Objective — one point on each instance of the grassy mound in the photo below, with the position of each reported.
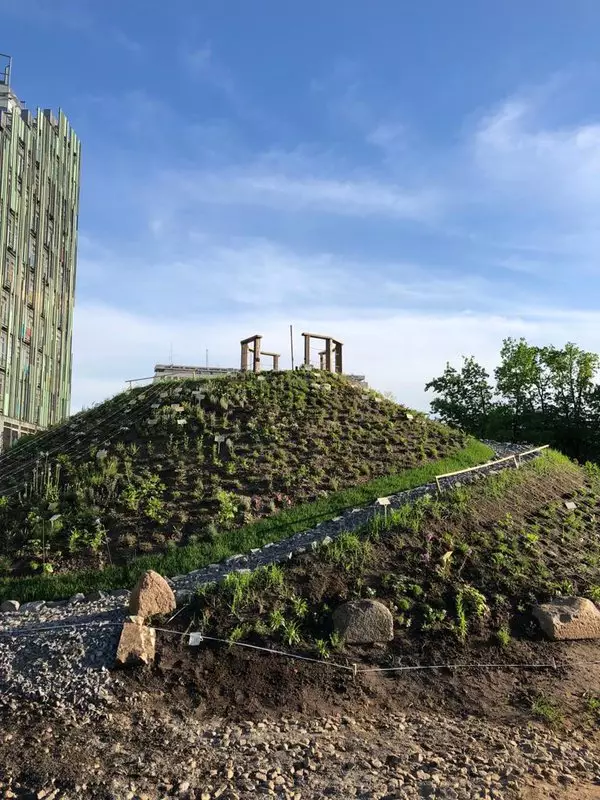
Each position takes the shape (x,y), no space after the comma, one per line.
(456,569)
(183,478)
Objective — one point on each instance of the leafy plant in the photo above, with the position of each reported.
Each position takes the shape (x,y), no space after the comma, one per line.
(227,507)
(276,619)
(300,606)
(322,648)
(503,636)
(291,633)
(469,602)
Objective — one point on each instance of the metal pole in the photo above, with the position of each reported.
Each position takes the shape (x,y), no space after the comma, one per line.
(292,345)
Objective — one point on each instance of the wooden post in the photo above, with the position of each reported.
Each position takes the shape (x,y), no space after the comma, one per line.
(244,365)
(257,343)
(338,357)
(292,345)
(276,363)
(306,349)
(328,355)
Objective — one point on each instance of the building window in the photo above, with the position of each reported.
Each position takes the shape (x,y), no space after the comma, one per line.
(30,286)
(11,232)
(3,348)
(4,310)
(9,269)
(32,251)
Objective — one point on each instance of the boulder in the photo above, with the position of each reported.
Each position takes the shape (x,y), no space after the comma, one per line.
(364,622)
(152,595)
(569,618)
(10,605)
(137,645)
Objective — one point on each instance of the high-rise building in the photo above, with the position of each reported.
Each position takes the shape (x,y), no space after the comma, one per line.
(40,159)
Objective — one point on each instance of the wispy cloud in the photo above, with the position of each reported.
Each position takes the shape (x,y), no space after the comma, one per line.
(281,192)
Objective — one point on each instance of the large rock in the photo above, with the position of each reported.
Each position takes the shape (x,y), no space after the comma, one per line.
(10,605)
(569,618)
(137,645)
(364,622)
(152,595)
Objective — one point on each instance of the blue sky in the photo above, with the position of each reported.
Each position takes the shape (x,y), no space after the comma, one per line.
(419,179)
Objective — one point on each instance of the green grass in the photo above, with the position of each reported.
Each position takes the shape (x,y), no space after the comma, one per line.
(546,710)
(271,529)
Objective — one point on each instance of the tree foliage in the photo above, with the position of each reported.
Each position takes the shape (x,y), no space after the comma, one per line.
(542,395)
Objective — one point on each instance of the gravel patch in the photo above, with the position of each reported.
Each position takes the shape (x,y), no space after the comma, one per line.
(391,757)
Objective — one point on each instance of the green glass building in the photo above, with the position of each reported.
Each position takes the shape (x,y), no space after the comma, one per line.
(40,159)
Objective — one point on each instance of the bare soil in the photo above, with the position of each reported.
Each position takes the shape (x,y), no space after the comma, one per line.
(218,717)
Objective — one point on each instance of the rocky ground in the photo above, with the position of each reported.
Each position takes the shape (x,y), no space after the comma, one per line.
(147,753)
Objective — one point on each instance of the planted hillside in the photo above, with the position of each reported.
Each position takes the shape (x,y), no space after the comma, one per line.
(462,569)
(184,462)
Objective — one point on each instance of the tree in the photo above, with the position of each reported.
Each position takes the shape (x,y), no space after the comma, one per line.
(523,382)
(464,398)
(545,395)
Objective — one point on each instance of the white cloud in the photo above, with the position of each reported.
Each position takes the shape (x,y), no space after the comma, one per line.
(281,192)
(558,168)
(398,351)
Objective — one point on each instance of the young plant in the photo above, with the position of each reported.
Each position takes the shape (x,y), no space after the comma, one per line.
(276,620)
(469,603)
(291,633)
(503,636)
(300,606)
(322,649)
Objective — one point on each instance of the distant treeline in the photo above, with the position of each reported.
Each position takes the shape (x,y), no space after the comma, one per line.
(542,395)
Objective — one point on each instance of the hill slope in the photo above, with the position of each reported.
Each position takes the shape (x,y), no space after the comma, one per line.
(164,466)
(458,572)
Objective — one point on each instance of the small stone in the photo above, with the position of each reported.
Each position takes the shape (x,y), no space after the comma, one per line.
(77,598)
(10,605)
(364,622)
(137,645)
(569,618)
(570,505)
(34,605)
(152,595)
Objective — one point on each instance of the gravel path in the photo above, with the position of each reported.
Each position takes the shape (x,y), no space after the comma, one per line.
(391,757)
(61,652)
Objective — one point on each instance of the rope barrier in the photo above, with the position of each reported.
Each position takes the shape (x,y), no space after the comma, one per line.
(296,656)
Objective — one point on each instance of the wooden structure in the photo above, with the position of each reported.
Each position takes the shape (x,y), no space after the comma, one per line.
(330,356)
(252,345)
(275,357)
(255,350)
